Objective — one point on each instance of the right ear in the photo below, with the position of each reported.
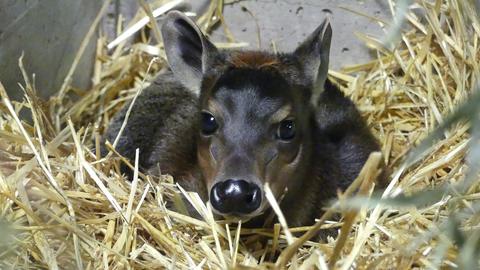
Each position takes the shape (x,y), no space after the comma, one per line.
(314,55)
(189,53)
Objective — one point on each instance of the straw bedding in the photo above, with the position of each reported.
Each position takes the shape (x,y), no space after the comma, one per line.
(69,208)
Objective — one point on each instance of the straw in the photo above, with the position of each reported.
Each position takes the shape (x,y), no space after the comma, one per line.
(71,208)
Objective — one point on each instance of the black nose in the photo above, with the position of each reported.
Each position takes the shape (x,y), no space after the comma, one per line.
(235,197)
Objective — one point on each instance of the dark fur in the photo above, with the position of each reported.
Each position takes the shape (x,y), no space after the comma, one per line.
(164,126)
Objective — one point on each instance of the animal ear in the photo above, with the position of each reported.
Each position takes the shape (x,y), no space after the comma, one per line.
(189,53)
(314,55)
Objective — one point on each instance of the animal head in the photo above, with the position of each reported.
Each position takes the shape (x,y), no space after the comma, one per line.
(255,112)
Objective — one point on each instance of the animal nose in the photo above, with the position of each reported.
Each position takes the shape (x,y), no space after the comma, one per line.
(235,197)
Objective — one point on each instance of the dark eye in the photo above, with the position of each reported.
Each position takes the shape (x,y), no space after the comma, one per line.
(286,130)
(208,123)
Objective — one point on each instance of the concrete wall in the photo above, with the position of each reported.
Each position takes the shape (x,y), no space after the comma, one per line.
(49,33)
(288,22)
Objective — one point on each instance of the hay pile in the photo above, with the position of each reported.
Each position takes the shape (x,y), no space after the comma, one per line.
(69,208)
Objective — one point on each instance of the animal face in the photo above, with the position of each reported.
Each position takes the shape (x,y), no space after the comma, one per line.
(251,132)
(255,113)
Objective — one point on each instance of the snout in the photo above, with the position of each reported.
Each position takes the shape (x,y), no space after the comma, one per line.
(235,197)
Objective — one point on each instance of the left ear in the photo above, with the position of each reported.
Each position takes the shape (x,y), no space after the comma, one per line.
(190,54)
(314,54)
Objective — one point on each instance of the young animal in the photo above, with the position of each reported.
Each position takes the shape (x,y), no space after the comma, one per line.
(225,122)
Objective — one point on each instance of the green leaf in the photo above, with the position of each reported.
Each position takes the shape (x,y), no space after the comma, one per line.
(467,111)
(473,155)
(5,234)
(468,255)
(419,199)
(394,33)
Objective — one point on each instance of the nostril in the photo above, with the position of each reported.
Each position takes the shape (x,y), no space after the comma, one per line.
(250,198)
(255,197)
(219,192)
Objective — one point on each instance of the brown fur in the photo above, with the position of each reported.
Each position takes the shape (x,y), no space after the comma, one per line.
(330,147)
(253,59)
